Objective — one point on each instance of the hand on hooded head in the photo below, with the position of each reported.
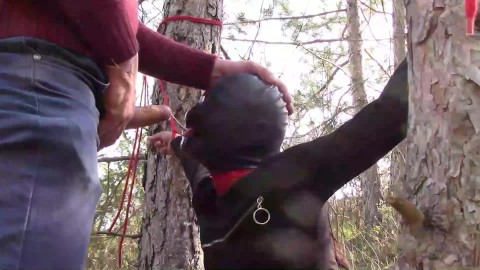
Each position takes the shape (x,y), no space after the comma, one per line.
(241,121)
(223,68)
(149,115)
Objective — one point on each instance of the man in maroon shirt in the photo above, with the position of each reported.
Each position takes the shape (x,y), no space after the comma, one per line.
(62,61)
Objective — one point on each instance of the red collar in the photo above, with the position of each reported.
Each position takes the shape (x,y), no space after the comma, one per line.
(224,181)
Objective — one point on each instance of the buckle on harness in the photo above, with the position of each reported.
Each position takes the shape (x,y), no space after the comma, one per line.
(258,205)
(259,210)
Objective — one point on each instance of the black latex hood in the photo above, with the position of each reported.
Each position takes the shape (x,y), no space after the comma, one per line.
(241,121)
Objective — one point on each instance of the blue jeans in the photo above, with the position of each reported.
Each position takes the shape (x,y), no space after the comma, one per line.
(49,185)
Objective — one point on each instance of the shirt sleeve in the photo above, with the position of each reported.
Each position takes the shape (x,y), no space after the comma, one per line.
(108,27)
(163,58)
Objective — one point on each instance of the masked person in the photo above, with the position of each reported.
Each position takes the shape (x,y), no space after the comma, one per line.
(257,207)
(67,89)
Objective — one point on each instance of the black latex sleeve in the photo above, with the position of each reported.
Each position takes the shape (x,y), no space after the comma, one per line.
(367,137)
(327,163)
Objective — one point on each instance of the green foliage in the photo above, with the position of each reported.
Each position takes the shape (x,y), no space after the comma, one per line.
(372,250)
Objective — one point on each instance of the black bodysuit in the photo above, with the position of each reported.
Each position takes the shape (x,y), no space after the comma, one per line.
(294,185)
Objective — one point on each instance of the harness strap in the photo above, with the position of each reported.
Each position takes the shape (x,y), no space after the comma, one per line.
(257,204)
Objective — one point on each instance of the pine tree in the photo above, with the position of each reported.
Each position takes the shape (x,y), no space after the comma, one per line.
(170,237)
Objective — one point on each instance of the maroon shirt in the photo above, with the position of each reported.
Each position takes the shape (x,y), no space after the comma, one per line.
(109,32)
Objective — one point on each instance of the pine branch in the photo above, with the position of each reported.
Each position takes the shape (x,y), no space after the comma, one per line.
(286,18)
(132,236)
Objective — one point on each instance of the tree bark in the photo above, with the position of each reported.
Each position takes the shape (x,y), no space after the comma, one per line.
(397,155)
(370,182)
(442,176)
(399,21)
(170,236)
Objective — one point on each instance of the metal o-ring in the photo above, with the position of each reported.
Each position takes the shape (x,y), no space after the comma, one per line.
(255,216)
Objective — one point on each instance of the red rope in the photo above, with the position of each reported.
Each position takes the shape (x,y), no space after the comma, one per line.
(182,18)
(191,19)
(138,135)
(471,9)
(167,103)
(126,185)
(132,165)
(135,167)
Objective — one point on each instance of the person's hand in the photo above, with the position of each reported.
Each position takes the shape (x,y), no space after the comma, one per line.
(161,142)
(119,101)
(227,67)
(149,115)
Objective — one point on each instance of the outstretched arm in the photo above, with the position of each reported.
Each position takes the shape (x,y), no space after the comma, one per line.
(329,162)
(367,137)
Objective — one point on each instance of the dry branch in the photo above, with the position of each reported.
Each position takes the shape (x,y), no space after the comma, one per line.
(225,53)
(120,158)
(132,236)
(299,43)
(286,18)
(378,63)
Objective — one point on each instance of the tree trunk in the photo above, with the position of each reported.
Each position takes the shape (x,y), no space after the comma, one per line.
(398,16)
(170,236)
(442,176)
(370,182)
(397,155)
